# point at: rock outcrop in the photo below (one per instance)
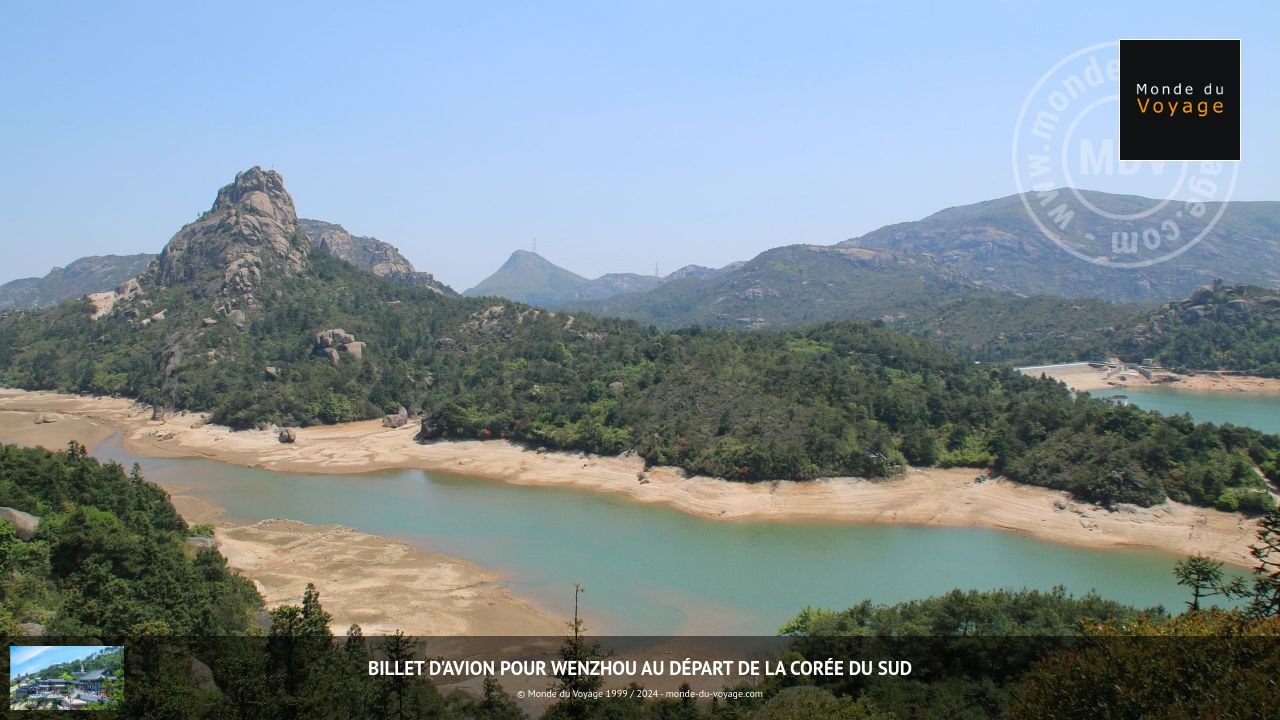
(396, 419)
(24, 523)
(251, 227)
(369, 253)
(329, 342)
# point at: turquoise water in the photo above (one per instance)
(1256, 410)
(651, 570)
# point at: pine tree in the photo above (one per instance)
(1266, 576)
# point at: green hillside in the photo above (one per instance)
(1220, 327)
(109, 555)
(791, 286)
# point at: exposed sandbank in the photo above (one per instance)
(1083, 377)
(381, 584)
(942, 497)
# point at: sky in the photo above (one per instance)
(617, 135)
(30, 658)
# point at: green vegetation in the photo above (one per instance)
(109, 554)
(958, 613)
(1234, 327)
(836, 399)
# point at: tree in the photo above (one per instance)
(576, 690)
(1266, 576)
(1205, 578)
(497, 703)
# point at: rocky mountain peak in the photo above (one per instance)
(252, 226)
(369, 253)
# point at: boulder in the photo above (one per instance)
(31, 629)
(396, 419)
(288, 435)
(428, 431)
(332, 354)
(335, 337)
(354, 348)
(24, 524)
(272, 372)
(202, 676)
(237, 317)
(208, 322)
(44, 418)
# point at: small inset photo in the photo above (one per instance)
(66, 677)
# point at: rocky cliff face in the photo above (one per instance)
(251, 227)
(369, 253)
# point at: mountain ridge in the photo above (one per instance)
(92, 273)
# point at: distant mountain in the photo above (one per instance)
(86, 275)
(607, 286)
(530, 278)
(793, 285)
(372, 254)
(996, 244)
(701, 272)
(976, 277)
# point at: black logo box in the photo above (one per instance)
(1187, 68)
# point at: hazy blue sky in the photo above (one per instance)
(674, 133)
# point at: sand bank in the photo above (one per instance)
(943, 497)
(380, 584)
(1083, 377)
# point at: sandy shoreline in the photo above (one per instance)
(939, 497)
(381, 584)
(1083, 377)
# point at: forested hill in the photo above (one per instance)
(108, 556)
(1220, 327)
(240, 318)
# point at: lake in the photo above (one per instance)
(653, 570)
(1256, 410)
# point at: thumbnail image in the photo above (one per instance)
(65, 677)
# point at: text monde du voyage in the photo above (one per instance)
(687, 667)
